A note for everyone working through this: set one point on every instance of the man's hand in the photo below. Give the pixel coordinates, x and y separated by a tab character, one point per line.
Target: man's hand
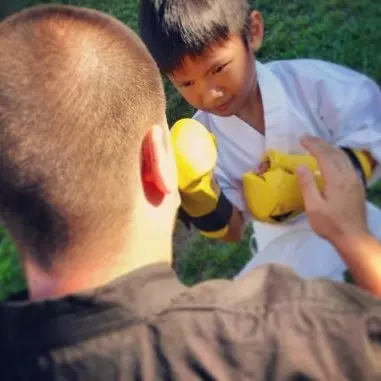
339	214
339	211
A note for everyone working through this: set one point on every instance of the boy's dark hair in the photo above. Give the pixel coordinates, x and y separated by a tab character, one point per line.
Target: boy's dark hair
173	29
78	93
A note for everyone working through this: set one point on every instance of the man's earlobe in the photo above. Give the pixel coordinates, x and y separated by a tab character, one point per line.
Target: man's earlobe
256	30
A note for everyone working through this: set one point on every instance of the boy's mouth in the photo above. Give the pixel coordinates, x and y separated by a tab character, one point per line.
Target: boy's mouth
223	107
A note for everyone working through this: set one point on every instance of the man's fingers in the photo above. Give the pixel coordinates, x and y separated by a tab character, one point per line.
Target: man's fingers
330	159
311	194
308	140
317	147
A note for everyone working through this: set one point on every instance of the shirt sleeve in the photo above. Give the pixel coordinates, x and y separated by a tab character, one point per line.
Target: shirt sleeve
352	111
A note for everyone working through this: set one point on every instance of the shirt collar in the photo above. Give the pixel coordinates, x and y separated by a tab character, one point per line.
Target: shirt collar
62	321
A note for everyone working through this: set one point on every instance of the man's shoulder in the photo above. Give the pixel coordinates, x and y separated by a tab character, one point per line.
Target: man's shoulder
266	290
270	317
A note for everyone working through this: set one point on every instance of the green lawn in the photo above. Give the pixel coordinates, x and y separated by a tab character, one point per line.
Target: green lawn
344	31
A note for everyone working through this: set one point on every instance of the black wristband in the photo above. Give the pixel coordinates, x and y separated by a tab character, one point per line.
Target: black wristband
356	164
184	217
214	221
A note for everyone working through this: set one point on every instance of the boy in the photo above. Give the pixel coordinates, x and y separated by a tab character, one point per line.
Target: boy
207	49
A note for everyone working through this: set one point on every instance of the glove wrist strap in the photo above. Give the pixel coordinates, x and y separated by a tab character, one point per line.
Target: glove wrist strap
217	219
356	164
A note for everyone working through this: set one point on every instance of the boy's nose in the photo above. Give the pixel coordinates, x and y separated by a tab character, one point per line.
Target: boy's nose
211	97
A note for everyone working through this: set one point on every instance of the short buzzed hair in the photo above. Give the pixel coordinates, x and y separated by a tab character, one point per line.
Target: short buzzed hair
78	92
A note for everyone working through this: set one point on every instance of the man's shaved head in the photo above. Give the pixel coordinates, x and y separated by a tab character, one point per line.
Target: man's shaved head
78	92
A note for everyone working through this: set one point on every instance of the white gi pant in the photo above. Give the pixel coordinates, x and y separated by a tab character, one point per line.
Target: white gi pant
303	250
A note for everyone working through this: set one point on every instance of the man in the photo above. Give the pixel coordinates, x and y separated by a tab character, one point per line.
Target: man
88	190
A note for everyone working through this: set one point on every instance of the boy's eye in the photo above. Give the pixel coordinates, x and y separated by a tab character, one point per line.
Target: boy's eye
219	69
186	84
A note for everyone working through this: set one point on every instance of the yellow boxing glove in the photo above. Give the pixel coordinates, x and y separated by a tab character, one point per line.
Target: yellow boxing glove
275	195
196	156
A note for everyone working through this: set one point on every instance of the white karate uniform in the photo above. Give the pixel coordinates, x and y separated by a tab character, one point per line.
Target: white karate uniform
299	96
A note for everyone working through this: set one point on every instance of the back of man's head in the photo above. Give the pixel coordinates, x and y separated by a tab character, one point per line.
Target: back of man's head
78	92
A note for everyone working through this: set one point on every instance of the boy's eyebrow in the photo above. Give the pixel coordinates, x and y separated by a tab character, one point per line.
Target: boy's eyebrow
179	81
212	67
216	64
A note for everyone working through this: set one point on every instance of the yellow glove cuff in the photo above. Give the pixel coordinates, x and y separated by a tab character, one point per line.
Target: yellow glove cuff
200	198
214	224
218	234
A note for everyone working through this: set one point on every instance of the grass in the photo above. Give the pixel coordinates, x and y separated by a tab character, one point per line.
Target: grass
346	32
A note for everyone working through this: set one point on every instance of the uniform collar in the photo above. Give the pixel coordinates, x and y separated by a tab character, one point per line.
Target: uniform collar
277	113
276	109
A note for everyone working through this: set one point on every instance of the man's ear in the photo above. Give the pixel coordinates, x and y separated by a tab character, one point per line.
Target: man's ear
158	170
256	30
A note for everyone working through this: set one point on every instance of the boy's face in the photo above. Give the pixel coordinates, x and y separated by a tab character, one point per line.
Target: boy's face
220	80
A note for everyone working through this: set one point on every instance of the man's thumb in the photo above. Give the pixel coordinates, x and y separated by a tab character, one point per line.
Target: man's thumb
310	191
